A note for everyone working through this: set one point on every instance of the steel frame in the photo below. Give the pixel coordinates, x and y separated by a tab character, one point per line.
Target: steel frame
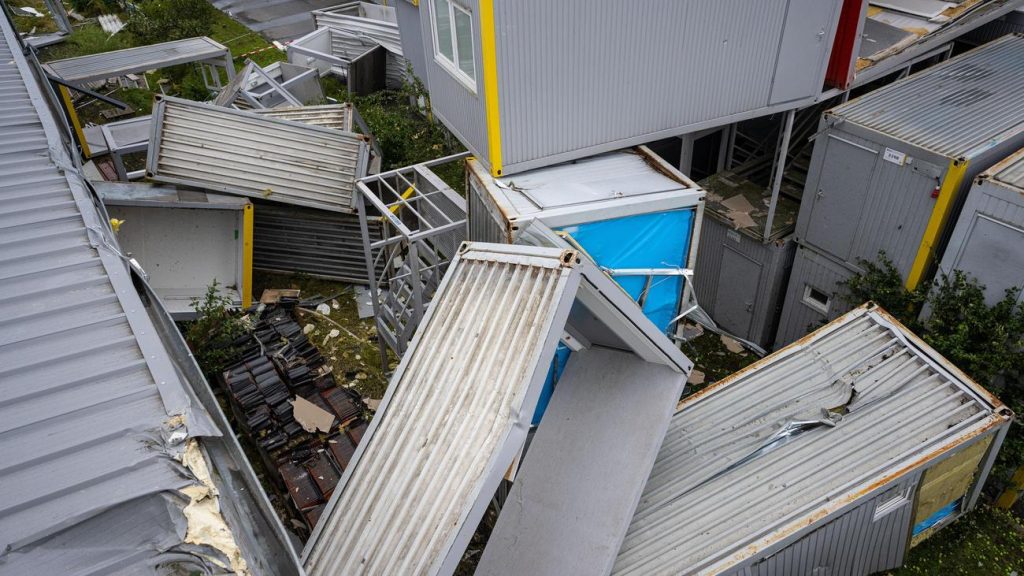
423	224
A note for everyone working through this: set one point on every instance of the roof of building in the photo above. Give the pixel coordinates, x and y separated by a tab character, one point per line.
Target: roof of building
139	59
1009	171
225	150
466	390
99	428
614	184
726	482
897	33
956	109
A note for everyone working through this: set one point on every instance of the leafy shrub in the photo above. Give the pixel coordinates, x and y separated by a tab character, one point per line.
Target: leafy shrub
211	336
986	342
165	20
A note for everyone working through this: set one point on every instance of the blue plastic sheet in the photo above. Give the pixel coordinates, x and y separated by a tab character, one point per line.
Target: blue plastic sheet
939	515
656	240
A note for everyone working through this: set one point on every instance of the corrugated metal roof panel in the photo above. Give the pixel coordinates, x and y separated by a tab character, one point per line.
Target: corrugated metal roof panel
98	428
420	468
337	116
364	20
1010	171
711	499
957	109
139	59
221	149
78	398
458	408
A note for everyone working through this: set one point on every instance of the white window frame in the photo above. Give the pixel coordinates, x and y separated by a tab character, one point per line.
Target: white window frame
814	302
452	67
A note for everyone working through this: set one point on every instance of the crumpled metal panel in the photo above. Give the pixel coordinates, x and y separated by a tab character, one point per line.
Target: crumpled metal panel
364	24
238	152
956	109
478	360
719	485
131	60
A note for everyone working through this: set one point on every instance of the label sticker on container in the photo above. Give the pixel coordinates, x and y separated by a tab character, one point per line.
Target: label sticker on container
894	156
733	235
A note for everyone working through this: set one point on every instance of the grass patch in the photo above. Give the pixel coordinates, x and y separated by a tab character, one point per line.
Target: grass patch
986	541
404	134
348	343
86	39
32	24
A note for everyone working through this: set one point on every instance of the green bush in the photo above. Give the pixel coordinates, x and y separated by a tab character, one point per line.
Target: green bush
211	336
156	21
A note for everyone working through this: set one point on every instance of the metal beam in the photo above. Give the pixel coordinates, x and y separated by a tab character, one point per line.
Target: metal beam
777	170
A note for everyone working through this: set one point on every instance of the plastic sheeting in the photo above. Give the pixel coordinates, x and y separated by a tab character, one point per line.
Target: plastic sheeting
656	240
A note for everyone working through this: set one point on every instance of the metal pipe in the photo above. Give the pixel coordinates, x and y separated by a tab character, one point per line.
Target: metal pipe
780	162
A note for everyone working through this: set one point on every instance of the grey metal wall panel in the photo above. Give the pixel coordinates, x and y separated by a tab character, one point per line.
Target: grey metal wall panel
315	242
575	507
811	268
955	108
1010	23
558	87
120	62
988	240
238	152
461	109
408	15
773	260
853	542
724	492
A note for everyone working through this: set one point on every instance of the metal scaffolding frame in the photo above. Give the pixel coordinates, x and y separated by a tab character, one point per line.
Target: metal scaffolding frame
423	223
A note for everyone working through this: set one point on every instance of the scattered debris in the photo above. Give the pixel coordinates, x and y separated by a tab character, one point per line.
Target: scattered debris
732	345
311	417
696	378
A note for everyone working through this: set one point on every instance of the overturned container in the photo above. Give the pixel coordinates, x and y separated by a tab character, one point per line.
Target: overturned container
837	454
185	240
988	240
890	171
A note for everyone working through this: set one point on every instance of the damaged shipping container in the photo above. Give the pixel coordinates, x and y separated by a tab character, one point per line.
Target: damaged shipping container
834	455
185	241
988	240
890	170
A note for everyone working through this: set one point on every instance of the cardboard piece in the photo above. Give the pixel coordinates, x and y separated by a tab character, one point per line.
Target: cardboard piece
738	203
310	416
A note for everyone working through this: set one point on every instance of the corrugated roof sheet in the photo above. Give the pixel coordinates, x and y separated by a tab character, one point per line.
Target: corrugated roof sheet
958	108
139	59
336	116
458	407
100	448
221	149
415	433
708	501
86	389
1010	171
364	20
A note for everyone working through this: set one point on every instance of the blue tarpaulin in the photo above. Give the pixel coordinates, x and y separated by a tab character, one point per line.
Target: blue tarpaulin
656	240
939	515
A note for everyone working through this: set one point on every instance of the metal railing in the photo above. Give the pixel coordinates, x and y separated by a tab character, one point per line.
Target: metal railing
423	222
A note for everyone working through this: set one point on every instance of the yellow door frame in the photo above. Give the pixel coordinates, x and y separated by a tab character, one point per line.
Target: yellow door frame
948	192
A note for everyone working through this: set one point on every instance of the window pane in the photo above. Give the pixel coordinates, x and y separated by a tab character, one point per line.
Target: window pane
443	25
464	36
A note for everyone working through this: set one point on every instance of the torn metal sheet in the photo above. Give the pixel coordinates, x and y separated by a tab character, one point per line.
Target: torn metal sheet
459	405
220	149
767	456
